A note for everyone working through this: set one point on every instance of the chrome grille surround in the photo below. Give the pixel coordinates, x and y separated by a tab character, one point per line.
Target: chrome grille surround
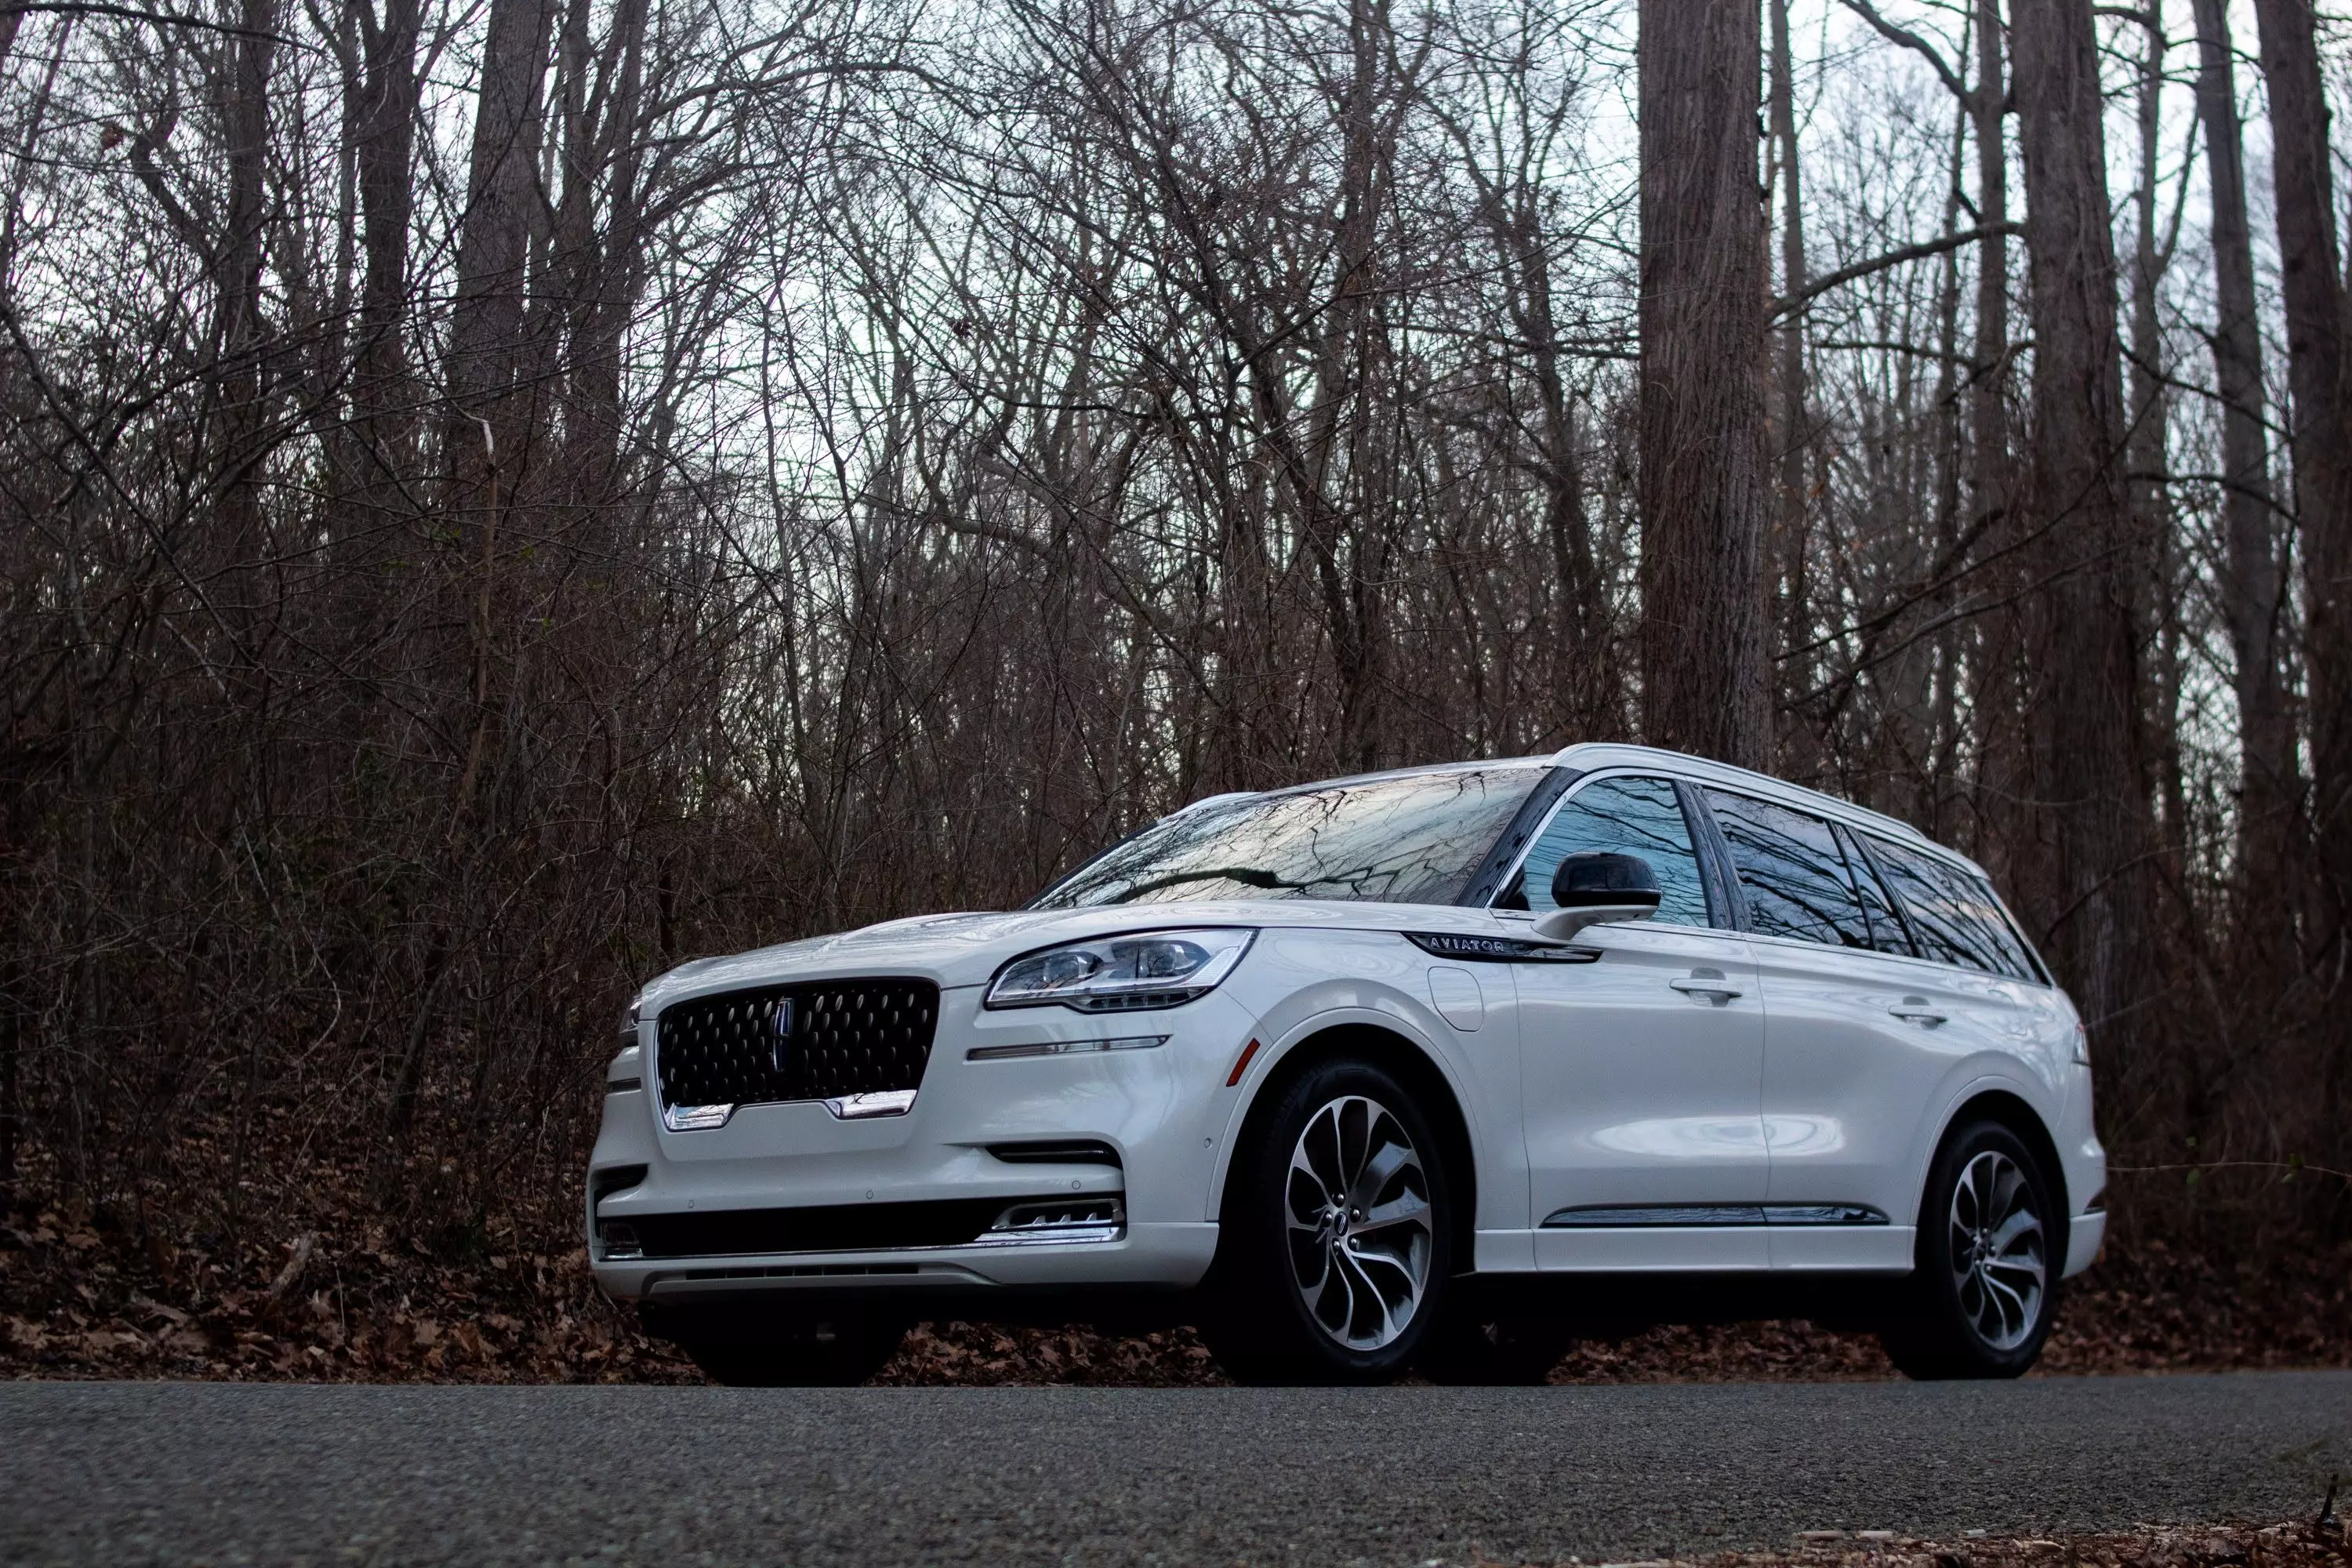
826	1040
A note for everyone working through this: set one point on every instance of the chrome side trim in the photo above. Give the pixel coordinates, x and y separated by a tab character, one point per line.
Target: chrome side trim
1062	1048
1822	1213
1599	1216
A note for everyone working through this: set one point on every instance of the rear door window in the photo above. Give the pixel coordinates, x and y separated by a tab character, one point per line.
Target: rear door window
1793	871
1623	816
1957	918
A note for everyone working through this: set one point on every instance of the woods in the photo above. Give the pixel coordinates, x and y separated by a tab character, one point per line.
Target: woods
497	499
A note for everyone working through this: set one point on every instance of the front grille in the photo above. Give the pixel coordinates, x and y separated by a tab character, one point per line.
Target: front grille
796	1042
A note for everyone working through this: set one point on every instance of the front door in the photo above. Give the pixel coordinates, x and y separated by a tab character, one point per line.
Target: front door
1642	1063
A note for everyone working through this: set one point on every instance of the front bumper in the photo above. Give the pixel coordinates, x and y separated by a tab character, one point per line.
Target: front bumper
1158	1114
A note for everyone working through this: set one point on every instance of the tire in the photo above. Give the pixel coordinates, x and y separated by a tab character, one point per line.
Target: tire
747	1349
1311	1291
1991	1246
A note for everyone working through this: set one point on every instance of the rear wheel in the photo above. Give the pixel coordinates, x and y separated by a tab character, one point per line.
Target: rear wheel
1338	1233
749	1349
1986	1284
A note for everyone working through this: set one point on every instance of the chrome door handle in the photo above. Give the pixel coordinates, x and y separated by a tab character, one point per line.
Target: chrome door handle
1914	1010
1705	986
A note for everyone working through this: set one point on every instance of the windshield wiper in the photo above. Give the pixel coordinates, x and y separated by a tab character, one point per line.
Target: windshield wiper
1247	876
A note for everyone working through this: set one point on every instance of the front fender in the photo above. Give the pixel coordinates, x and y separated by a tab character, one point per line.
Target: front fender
1387	991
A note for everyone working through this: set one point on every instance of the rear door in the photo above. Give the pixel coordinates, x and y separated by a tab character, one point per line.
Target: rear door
1860	1033
1641	1056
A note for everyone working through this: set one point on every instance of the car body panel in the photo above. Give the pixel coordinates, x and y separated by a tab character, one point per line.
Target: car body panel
1637	1094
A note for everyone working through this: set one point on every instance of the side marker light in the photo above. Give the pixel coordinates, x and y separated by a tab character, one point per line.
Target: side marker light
1242	1065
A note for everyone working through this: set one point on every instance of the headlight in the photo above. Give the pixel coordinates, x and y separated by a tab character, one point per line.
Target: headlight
1122	974
629	1021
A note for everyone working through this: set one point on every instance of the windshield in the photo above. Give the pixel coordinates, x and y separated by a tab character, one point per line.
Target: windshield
1417	839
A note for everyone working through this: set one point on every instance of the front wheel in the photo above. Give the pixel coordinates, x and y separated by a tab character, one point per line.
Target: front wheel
1337	1234
1986	1282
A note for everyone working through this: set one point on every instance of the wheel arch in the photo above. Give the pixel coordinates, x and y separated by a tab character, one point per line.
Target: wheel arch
1413	1067
2010	1110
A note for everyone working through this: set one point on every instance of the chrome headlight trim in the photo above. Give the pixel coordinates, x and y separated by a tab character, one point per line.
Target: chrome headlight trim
1123	973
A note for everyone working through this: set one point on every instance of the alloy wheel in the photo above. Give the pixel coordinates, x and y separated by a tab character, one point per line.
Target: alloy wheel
1998	1268
1359	1223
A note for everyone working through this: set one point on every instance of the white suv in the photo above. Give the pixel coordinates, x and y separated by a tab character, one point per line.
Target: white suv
1436	1067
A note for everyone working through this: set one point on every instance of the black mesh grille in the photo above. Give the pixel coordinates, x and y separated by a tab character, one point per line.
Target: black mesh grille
845	1036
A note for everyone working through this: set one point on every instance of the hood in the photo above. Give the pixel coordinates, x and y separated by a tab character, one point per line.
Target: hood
966	949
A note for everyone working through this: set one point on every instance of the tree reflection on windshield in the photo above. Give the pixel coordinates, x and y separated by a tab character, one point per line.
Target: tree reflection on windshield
1416	839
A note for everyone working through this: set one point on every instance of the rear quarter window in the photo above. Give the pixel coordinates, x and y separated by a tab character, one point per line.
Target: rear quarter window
1953	914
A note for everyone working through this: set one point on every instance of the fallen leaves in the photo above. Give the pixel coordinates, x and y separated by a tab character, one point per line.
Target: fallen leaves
345	1299
2226	1546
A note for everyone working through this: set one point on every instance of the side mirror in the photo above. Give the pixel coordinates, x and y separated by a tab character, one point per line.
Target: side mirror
1598	890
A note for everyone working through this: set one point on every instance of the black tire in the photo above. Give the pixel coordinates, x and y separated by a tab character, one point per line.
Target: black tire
1984	1289
1304	1291
746	1349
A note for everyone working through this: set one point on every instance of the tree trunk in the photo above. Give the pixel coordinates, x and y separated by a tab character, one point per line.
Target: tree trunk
1997	702
244	120
605	278
1800	752
2320	436
494	239
2151	411
1703	485
2092	815
386	137
2252	578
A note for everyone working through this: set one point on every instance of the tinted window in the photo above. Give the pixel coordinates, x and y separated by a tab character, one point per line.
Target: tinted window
1886	933
1411	840
1954	914
1624	817
1793	871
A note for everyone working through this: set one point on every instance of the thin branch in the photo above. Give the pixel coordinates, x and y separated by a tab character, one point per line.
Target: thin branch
1916	45
132	13
1919	252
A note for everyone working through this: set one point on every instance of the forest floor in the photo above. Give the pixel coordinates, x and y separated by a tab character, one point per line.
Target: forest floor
78	1301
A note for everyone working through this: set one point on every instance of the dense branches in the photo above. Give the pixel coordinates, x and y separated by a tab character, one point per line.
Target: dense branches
495	501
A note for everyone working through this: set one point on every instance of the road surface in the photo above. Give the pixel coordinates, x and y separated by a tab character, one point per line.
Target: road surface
133	1473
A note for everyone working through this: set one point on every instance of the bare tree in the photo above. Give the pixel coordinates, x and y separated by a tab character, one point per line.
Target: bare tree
2087	699
2255	576
2310	265
1703	485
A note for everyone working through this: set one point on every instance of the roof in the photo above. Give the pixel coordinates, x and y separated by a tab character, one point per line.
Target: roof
1590	755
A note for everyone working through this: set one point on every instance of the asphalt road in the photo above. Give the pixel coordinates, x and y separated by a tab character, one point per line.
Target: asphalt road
133	1473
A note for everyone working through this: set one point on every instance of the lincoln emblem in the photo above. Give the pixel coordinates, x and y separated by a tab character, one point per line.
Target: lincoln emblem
779	1032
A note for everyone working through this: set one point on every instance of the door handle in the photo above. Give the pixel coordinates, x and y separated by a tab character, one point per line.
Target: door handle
1705	982
1914	1010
